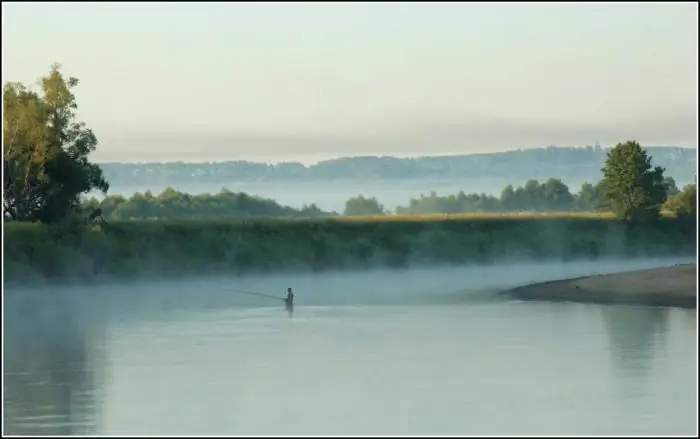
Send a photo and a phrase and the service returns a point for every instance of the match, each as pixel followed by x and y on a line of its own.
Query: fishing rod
pixel 257 294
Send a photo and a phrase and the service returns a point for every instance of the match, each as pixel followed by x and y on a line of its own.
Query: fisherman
pixel 289 302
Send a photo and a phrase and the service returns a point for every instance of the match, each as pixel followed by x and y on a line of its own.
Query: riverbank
pixel 138 249
pixel 668 286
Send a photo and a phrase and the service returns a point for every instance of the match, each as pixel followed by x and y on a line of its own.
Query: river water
pixel 429 351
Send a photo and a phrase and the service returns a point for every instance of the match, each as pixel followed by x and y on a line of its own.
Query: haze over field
pixel 392 180
pixel 305 81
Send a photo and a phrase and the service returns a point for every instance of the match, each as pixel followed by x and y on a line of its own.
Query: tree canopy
pixel 359 206
pixel 632 187
pixel 45 151
pixel 533 196
pixel 549 196
pixel 171 204
pixel 684 204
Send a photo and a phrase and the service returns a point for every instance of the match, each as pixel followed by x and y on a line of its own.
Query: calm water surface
pixel 421 352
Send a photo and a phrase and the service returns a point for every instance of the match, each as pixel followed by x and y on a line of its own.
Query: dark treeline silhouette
pixel 549 196
pixel 171 204
pixel 533 196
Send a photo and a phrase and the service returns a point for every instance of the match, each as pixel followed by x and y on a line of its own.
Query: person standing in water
pixel 289 302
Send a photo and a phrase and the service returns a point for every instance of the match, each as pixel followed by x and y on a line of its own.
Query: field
pixel 478 216
pixel 34 252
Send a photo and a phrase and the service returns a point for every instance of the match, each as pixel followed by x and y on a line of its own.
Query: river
pixel 416 352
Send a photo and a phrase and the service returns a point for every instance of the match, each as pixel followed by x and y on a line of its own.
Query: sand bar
pixel 668 286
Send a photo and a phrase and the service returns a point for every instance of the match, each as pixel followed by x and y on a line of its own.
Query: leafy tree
pixel 359 206
pixel 671 187
pixel 171 204
pixel 684 203
pixel 589 198
pixel 24 151
pixel 552 195
pixel 632 187
pixel 46 151
pixel 556 195
pixel 508 199
pixel 529 196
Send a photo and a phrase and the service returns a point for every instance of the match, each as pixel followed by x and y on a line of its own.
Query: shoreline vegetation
pixel 661 287
pixel 36 253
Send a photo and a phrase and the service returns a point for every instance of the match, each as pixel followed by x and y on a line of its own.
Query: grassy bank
pixel 165 248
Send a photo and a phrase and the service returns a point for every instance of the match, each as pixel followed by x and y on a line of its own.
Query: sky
pixel 279 81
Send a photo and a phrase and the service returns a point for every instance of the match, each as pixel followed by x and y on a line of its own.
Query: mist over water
pixel 419 351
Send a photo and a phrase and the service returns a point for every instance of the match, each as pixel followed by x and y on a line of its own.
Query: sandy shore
pixel 669 286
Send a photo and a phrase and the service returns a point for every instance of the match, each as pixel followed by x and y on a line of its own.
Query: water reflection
pixel 472 359
pixel 636 336
pixel 50 386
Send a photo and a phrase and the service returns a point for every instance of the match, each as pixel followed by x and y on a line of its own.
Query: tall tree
pixel 589 198
pixel 360 206
pixel 557 196
pixel 24 151
pixel 632 187
pixel 46 151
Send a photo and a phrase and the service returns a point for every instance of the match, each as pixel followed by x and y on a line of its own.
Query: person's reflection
pixel 637 335
pixel 48 382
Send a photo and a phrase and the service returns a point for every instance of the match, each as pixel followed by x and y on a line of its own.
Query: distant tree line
pixel 46 171
pixel 631 188
pixel 579 163
pixel 171 204
pixel 549 196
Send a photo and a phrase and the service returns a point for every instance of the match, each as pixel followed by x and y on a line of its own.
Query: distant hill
pixel 582 163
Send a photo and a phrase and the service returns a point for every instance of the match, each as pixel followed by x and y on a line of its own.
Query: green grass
pixel 477 216
pixel 170 248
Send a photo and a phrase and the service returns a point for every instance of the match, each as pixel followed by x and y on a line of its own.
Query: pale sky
pixel 209 81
